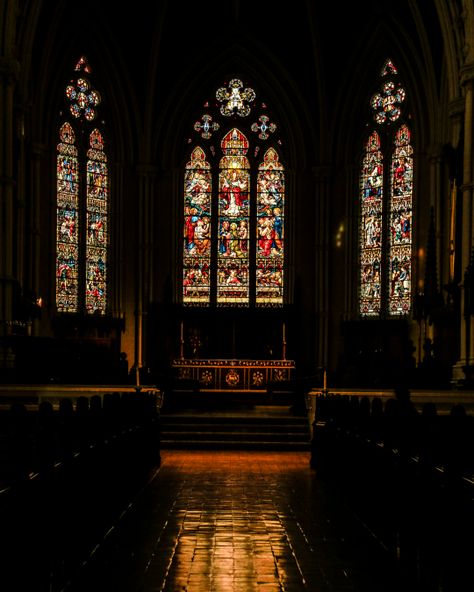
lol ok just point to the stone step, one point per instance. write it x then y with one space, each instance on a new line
235 435
234 445
241 422
253 428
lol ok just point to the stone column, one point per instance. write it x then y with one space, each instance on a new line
467 325
434 159
35 256
348 243
8 74
144 261
322 276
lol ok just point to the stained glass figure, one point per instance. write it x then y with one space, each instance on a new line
400 242
270 230
370 233
97 222
67 235
197 230
235 99
233 221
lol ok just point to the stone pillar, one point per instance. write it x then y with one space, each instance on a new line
466 358
34 242
119 231
322 276
144 261
8 74
349 243
437 204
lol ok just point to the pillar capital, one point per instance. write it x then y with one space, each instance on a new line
467 74
456 108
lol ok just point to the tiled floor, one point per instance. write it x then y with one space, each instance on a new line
236 521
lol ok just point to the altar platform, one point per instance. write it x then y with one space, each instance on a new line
233 374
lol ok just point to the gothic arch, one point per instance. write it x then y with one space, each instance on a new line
235 61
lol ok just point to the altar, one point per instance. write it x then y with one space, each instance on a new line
236 375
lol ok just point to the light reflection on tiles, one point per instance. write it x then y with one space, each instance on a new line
228 519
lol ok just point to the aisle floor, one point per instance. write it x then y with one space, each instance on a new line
237 521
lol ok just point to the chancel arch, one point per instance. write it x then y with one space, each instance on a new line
234 206
232 289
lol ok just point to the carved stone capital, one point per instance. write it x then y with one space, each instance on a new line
467 74
456 108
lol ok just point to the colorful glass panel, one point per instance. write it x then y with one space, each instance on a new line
197 230
83 99
206 126
270 231
386 104
388 68
97 225
264 128
233 222
235 99
370 233
400 240
67 234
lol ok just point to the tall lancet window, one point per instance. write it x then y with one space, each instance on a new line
234 205
386 204
270 224
234 208
82 198
197 229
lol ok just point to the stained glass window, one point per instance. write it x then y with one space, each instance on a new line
233 221
401 223
387 103
197 229
96 240
386 195
371 196
234 205
67 236
270 226
82 202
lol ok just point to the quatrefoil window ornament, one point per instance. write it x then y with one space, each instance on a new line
235 99
82 98
387 103
265 128
206 127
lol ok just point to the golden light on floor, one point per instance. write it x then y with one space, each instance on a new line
228 524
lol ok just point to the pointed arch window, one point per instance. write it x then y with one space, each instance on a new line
386 205
234 205
82 198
